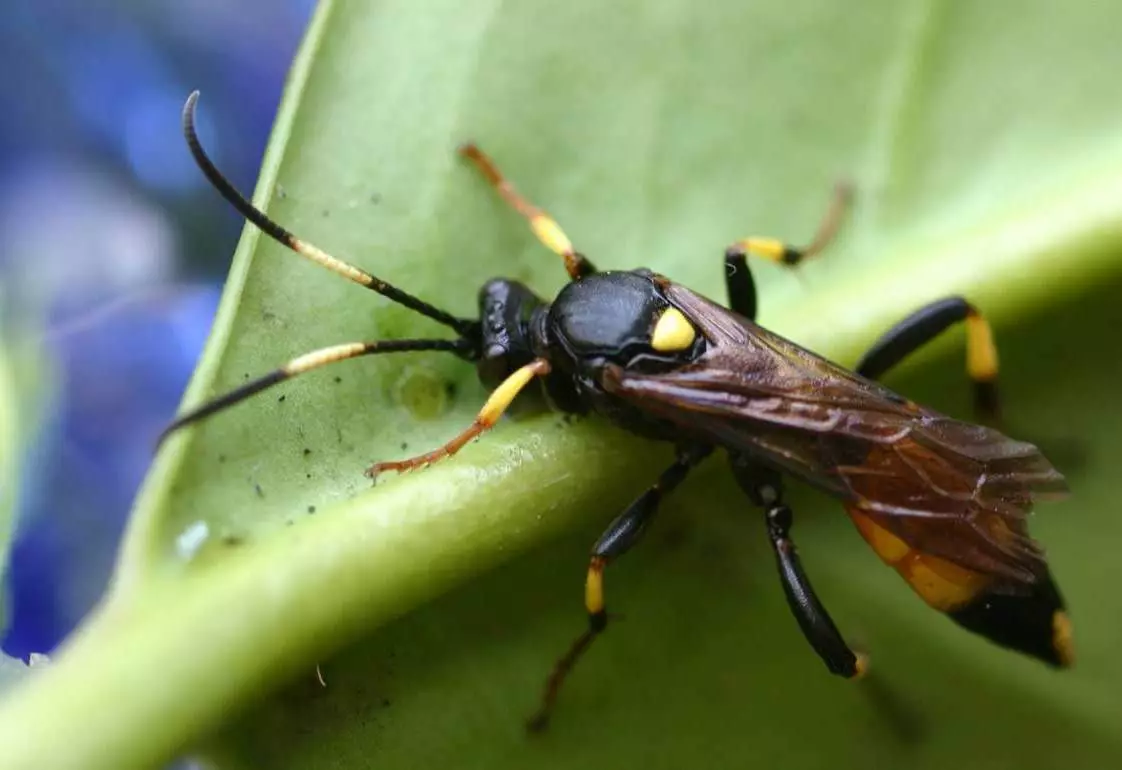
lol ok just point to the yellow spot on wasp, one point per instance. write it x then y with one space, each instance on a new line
502 396
981 353
768 248
672 332
594 587
942 585
321 357
887 546
1062 638
862 666
551 234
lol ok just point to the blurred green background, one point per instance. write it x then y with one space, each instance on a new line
984 143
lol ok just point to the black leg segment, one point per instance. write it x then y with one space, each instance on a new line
764 488
739 283
924 325
738 278
630 525
623 533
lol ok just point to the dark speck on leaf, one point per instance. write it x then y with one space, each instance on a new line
307 451
450 389
404 445
221 458
326 213
308 475
288 523
245 376
257 488
233 541
338 379
385 701
375 198
311 509
281 400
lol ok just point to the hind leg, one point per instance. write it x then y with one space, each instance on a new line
765 489
926 324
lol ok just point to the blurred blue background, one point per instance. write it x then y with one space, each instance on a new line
112 252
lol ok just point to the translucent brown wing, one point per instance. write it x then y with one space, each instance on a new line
947 488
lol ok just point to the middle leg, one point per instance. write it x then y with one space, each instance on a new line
738 276
764 488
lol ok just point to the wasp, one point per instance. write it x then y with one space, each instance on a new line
943 502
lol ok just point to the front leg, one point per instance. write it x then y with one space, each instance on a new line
500 399
764 487
618 538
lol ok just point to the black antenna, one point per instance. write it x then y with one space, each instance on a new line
462 326
308 362
466 347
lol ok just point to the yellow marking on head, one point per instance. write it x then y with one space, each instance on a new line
768 248
673 332
594 587
551 234
1062 638
317 358
502 396
981 353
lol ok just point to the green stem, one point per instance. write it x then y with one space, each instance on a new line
147 676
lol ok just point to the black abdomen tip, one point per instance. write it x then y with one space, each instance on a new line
1034 623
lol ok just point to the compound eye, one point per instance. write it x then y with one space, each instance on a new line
673 332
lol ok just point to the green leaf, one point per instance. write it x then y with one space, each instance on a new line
985 149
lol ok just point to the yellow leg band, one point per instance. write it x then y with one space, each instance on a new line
862 665
1062 637
502 396
594 587
981 353
768 248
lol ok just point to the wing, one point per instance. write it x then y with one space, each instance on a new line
946 488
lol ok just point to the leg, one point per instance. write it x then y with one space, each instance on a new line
740 285
544 226
621 535
765 489
500 399
738 277
923 326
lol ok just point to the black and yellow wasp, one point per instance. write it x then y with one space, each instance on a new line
943 502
